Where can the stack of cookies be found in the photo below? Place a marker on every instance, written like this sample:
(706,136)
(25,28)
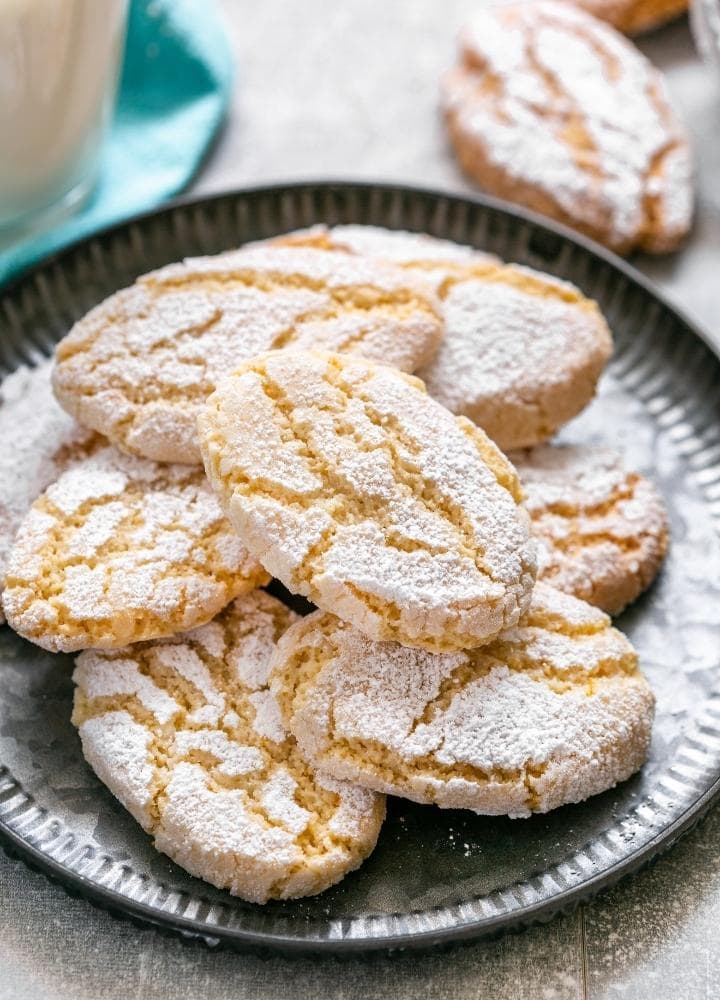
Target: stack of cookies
(231,420)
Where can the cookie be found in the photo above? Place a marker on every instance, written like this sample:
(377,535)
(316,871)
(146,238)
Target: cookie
(396,246)
(186,734)
(121,549)
(602,531)
(40,442)
(360,492)
(555,110)
(634,16)
(522,351)
(139,366)
(553,711)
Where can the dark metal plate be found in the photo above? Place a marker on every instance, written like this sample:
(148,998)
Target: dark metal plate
(435,875)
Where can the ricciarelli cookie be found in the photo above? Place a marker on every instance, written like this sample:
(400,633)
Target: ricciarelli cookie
(555,110)
(602,531)
(396,246)
(40,442)
(360,492)
(139,366)
(121,549)
(522,351)
(186,734)
(634,16)
(553,711)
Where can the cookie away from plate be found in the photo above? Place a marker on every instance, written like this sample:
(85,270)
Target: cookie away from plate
(140,366)
(553,711)
(186,734)
(602,531)
(555,110)
(522,351)
(121,549)
(634,16)
(360,492)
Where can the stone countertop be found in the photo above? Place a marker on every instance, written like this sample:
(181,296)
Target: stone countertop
(349,91)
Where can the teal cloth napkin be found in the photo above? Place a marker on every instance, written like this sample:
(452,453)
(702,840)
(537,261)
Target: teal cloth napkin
(174,89)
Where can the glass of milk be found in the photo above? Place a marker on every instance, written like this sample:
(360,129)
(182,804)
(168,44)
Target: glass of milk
(59,67)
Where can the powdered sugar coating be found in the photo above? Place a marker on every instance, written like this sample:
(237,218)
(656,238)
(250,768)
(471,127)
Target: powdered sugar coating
(554,109)
(602,531)
(121,549)
(634,16)
(396,246)
(41,441)
(360,492)
(227,801)
(553,711)
(522,354)
(522,351)
(140,365)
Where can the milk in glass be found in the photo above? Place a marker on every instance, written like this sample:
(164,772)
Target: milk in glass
(59,64)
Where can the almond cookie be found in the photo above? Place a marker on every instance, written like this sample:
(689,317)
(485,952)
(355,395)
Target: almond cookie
(553,109)
(40,441)
(396,246)
(602,531)
(186,734)
(634,16)
(140,366)
(360,492)
(121,549)
(553,711)
(522,351)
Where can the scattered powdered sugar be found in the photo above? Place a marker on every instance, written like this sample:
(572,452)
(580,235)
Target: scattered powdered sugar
(359,491)
(561,103)
(140,365)
(552,711)
(223,793)
(602,531)
(39,440)
(121,549)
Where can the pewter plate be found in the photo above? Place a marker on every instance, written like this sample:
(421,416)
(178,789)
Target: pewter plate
(435,875)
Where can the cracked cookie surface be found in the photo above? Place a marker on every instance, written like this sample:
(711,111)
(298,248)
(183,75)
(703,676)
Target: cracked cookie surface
(186,734)
(555,110)
(553,711)
(396,246)
(602,531)
(360,492)
(140,365)
(121,549)
(45,442)
(522,351)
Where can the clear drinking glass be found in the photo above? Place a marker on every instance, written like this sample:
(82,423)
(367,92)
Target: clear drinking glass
(59,67)
(705,20)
